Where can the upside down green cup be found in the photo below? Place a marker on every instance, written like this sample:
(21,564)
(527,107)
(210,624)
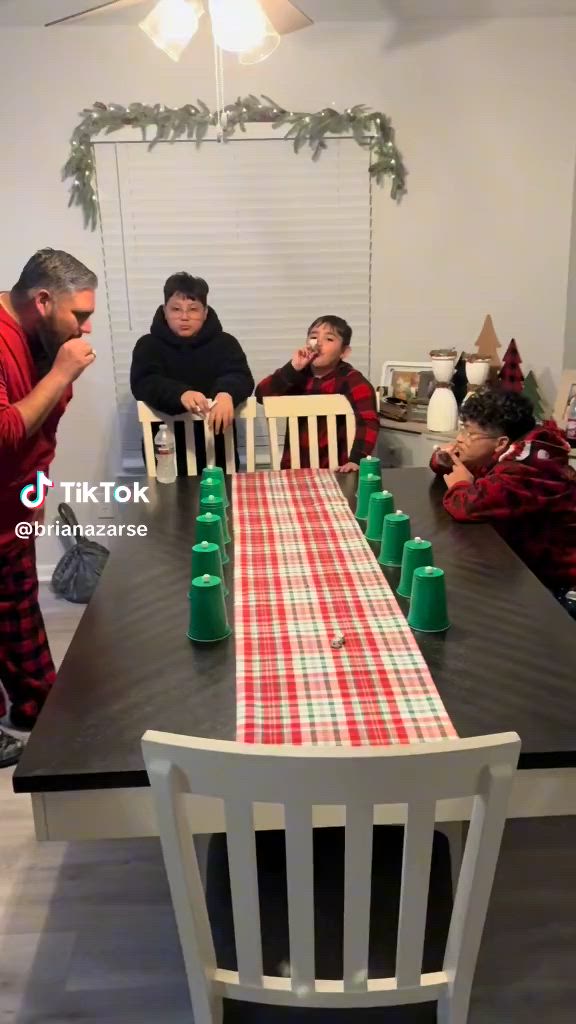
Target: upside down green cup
(381,503)
(428,612)
(208,619)
(209,527)
(368,467)
(207,560)
(367,485)
(211,485)
(417,553)
(371,464)
(215,473)
(394,536)
(216,505)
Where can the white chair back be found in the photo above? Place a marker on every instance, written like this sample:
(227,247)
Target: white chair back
(311,407)
(246,412)
(301,778)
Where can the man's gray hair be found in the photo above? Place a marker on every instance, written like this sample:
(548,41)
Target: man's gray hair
(56,271)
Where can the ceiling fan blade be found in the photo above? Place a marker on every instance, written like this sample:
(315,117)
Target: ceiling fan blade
(89,12)
(286,16)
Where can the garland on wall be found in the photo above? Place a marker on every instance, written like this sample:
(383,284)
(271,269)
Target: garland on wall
(370,129)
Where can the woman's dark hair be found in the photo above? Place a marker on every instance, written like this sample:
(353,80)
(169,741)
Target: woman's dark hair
(506,412)
(337,324)
(188,286)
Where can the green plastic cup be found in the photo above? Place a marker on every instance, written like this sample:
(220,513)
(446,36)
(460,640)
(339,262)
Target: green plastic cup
(209,527)
(211,486)
(216,506)
(207,560)
(428,612)
(381,503)
(417,553)
(208,618)
(394,536)
(367,485)
(216,473)
(371,464)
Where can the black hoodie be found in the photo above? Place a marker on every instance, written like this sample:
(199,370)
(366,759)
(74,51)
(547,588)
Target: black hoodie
(164,366)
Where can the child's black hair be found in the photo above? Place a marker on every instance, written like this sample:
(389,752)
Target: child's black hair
(190,287)
(337,324)
(505,412)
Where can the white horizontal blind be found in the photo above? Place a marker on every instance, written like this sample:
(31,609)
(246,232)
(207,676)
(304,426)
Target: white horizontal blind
(280,240)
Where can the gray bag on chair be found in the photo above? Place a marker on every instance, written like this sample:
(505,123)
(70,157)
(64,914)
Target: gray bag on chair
(79,570)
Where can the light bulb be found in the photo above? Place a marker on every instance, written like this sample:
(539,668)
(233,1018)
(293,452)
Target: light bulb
(171,25)
(264,48)
(238,25)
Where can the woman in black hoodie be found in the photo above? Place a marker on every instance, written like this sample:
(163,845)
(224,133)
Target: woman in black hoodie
(188,359)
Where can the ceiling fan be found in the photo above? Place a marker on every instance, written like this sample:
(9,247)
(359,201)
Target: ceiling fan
(251,28)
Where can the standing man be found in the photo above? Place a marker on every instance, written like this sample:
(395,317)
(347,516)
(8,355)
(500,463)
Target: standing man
(42,351)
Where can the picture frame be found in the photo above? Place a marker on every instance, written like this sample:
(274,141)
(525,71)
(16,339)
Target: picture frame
(566,392)
(407,381)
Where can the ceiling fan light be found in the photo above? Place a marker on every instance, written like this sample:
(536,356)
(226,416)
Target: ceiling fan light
(238,25)
(171,25)
(263,50)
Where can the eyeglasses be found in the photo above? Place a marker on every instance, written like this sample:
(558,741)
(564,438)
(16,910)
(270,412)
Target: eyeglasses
(471,435)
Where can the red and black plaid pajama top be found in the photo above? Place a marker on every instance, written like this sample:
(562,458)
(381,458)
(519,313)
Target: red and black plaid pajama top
(344,380)
(26,667)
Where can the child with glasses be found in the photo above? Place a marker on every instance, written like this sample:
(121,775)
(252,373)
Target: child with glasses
(506,470)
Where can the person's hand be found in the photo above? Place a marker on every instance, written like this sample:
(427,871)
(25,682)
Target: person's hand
(348,467)
(72,359)
(445,456)
(459,475)
(222,412)
(303,357)
(196,402)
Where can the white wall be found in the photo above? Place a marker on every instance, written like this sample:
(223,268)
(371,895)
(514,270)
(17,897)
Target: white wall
(484,116)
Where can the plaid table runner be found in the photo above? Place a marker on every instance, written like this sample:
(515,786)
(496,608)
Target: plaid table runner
(303,573)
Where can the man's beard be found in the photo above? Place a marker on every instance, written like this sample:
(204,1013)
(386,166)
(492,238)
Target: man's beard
(45,348)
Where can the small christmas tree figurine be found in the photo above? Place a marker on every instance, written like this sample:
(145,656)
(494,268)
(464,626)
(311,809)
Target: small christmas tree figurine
(532,392)
(487,342)
(511,377)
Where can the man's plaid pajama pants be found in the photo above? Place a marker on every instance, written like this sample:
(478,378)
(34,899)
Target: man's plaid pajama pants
(26,667)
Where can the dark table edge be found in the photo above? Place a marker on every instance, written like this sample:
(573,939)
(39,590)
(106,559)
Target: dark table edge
(46,783)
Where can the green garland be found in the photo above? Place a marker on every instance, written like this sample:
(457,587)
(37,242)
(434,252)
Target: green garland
(370,129)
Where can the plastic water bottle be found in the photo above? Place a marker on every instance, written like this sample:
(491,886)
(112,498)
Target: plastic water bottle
(165,455)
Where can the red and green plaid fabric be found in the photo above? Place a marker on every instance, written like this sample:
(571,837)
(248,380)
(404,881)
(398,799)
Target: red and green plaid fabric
(304,573)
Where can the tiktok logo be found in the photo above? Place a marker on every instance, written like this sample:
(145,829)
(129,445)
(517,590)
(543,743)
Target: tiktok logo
(34,495)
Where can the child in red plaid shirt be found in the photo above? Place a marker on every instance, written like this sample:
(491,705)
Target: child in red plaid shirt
(507,471)
(319,368)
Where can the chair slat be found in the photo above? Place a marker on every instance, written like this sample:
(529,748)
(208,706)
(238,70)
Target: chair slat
(294,442)
(332,442)
(209,442)
(244,889)
(273,435)
(313,441)
(149,455)
(357,887)
(418,838)
(300,880)
(191,461)
(251,443)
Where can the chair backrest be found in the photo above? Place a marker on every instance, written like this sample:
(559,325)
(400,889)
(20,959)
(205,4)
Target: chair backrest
(295,407)
(301,778)
(246,412)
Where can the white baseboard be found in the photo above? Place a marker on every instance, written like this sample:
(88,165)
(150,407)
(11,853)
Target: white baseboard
(45,573)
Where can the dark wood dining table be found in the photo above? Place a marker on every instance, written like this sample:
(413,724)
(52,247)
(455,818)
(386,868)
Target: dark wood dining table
(508,663)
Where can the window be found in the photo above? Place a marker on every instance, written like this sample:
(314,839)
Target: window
(280,240)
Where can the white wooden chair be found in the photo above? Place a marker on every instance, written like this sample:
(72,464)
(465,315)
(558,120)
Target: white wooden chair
(246,412)
(293,407)
(300,778)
